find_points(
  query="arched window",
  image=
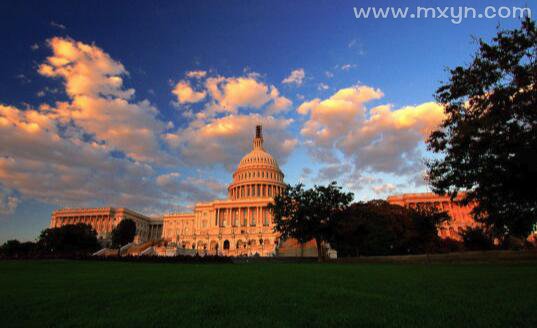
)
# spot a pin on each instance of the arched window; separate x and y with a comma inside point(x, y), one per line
point(226, 244)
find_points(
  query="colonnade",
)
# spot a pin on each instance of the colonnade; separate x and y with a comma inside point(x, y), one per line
point(101, 223)
point(255, 190)
point(242, 216)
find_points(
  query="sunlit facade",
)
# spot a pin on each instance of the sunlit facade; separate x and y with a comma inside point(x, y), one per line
point(461, 216)
point(104, 219)
point(240, 224)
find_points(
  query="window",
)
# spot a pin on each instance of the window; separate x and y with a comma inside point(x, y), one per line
point(254, 214)
point(265, 218)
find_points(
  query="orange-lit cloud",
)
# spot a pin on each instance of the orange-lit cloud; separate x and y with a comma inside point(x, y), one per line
point(221, 94)
point(381, 139)
point(99, 103)
point(296, 77)
point(224, 140)
point(186, 94)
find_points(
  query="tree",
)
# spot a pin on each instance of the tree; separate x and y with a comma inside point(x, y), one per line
point(123, 233)
point(380, 228)
point(488, 141)
point(309, 214)
point(372, 228)
point(14, 248)
point(426, 221)
point(68, 239)
point(476, 239)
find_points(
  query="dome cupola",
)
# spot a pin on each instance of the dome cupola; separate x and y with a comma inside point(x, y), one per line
point(258, 174)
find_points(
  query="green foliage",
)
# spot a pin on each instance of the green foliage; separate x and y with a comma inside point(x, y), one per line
point(68, 239)
point(123, 233)
point(379, 228)
point(309, 214)
point(488, 141)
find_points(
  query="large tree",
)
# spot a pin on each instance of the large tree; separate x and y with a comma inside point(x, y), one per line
point(123, 233)
point(68, 239)
point(487, 144)
point(306, 214)
point(379, 228)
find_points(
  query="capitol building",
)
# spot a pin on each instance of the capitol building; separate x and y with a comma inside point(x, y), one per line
point(240, 225)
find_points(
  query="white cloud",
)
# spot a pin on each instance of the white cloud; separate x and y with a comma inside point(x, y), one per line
point(99, 103)
point(341, 130)
point(221, 95)
point(226, 139)
point(322, 87)
point(186, 94)
point(347, 67)
point(296, 77)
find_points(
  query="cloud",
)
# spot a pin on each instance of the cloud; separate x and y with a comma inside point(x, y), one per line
point(191, 188)
point(296, 77)
point(199, 74)
point(333, 118)
point(279, 104)
point(185, 93)
point(57, 25)
point(34, 47)
point(346, 67)
point(99, 103)
point(8, 201)
point(341, 130)
point(233, 93)
point(322, 87)
point(225, 140)
point(101, 146)
point(55, 165)
point(224, 95)
point(384, 189)
point(333, 172)
point(23, 78)
point(357, 46)
point(389, 140)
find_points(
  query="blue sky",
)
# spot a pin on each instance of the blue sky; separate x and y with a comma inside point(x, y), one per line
point(367, 88)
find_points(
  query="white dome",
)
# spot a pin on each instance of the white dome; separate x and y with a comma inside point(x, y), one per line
point(258, 174)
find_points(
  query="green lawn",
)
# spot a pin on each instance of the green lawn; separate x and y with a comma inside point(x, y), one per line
point(71, 293)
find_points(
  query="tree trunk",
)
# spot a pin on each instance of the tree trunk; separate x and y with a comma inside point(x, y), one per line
point(320, 254)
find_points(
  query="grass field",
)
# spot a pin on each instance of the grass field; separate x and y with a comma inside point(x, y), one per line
point(71, 293)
